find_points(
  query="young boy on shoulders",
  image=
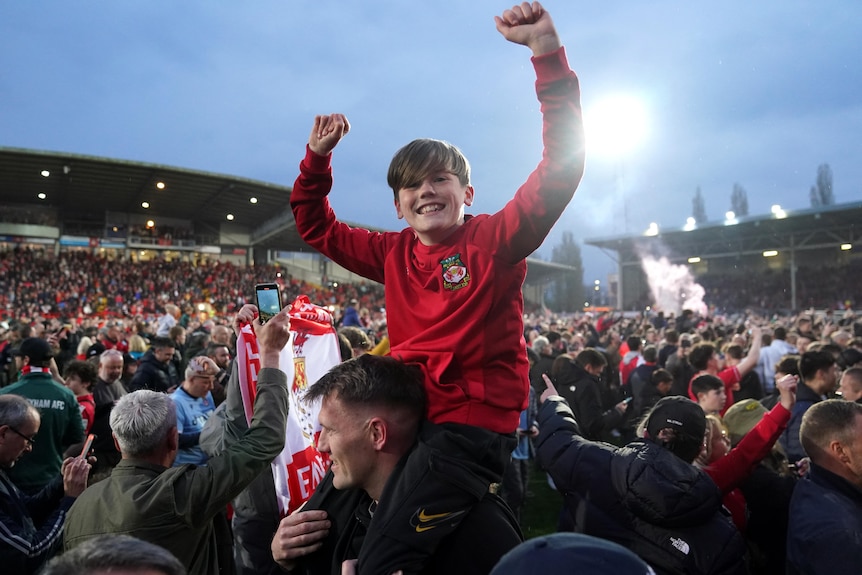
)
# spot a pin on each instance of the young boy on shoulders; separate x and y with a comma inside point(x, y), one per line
point(453, 295)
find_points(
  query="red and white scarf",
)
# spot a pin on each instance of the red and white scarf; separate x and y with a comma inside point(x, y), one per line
point(314, 350)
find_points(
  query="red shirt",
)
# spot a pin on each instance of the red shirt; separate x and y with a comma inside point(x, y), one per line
point(456, 308)
point(87, 406)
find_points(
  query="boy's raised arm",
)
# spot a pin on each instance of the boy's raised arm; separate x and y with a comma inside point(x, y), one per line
point(326, 132)
point(529, 24)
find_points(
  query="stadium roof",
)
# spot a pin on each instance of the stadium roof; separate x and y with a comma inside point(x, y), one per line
point(81, 183)
point(101, 185)
point(814, 228)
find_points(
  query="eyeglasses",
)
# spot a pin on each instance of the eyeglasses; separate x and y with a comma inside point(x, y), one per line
point(30, 440)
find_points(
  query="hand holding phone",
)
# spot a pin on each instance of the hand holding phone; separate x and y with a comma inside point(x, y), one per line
point(268, 300)
point(88, 444)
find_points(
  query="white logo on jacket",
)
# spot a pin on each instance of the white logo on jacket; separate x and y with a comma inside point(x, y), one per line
point(680, 544)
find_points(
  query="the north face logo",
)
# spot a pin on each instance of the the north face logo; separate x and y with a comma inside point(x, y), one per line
point(680, 544)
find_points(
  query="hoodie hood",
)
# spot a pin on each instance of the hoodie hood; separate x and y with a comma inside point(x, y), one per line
point(657, 486)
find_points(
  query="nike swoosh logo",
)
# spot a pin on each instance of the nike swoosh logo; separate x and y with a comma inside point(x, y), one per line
point(423, 521)
point(423, 517)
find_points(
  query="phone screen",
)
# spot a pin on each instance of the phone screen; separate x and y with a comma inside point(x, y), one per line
point(87, 445)
point(268, 301)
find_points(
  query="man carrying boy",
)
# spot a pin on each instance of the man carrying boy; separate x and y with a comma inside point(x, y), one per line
point(453, 296)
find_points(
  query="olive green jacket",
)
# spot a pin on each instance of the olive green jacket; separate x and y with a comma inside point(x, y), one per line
point(174, 507)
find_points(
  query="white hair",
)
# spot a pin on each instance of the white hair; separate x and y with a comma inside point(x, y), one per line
point(141, 420)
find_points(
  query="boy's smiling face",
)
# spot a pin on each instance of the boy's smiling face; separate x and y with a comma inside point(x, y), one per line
point(434, 207)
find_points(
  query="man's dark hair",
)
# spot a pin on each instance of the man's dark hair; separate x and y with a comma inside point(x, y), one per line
point(650, 353)
point(162, 343)
point(553, 337)
point(107, 553)
point(671, 336)
point(591, 357)
point(780, 332)
point(811, 362)
point(86, 372)
point(832, 348)
point(212, 347)
point(734, 351)
point(700, 355)
point(788, 364)
point(634, 342)
point(705, 383)
point(661, 376)
point(828, 421)
point(374, 380)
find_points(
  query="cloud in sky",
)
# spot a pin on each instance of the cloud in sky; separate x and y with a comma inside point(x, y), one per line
point(758, 94)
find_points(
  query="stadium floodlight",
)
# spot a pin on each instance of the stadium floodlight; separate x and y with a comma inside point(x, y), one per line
point(694, 260)
point(778, 212)
point(145, 205)
point(45, 173)
point(690, 224)
point(616, 125)
point(846, 247)
point(160, 185)
point(770, 253)
point(652, 230)
point(230, 217)
point(730, 219)
point(42, 195)
point(252, 200)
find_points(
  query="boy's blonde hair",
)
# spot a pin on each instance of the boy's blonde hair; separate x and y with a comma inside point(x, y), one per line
point(412, 163)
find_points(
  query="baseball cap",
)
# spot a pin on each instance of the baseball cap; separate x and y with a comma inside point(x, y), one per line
point(742, 417)
point(570, 553)
point(678, 413)
point(36, 348)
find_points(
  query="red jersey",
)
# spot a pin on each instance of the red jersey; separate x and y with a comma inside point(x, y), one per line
point(87, 406)
point(455, 308)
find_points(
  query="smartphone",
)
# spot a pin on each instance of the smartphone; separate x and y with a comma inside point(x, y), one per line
point(628, 400)
point(87, 445)
point(268, 300)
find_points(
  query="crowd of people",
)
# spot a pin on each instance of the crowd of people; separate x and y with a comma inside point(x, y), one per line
point(680, 444)
point(769, 291)
point(77, 285)
point(612, 372)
